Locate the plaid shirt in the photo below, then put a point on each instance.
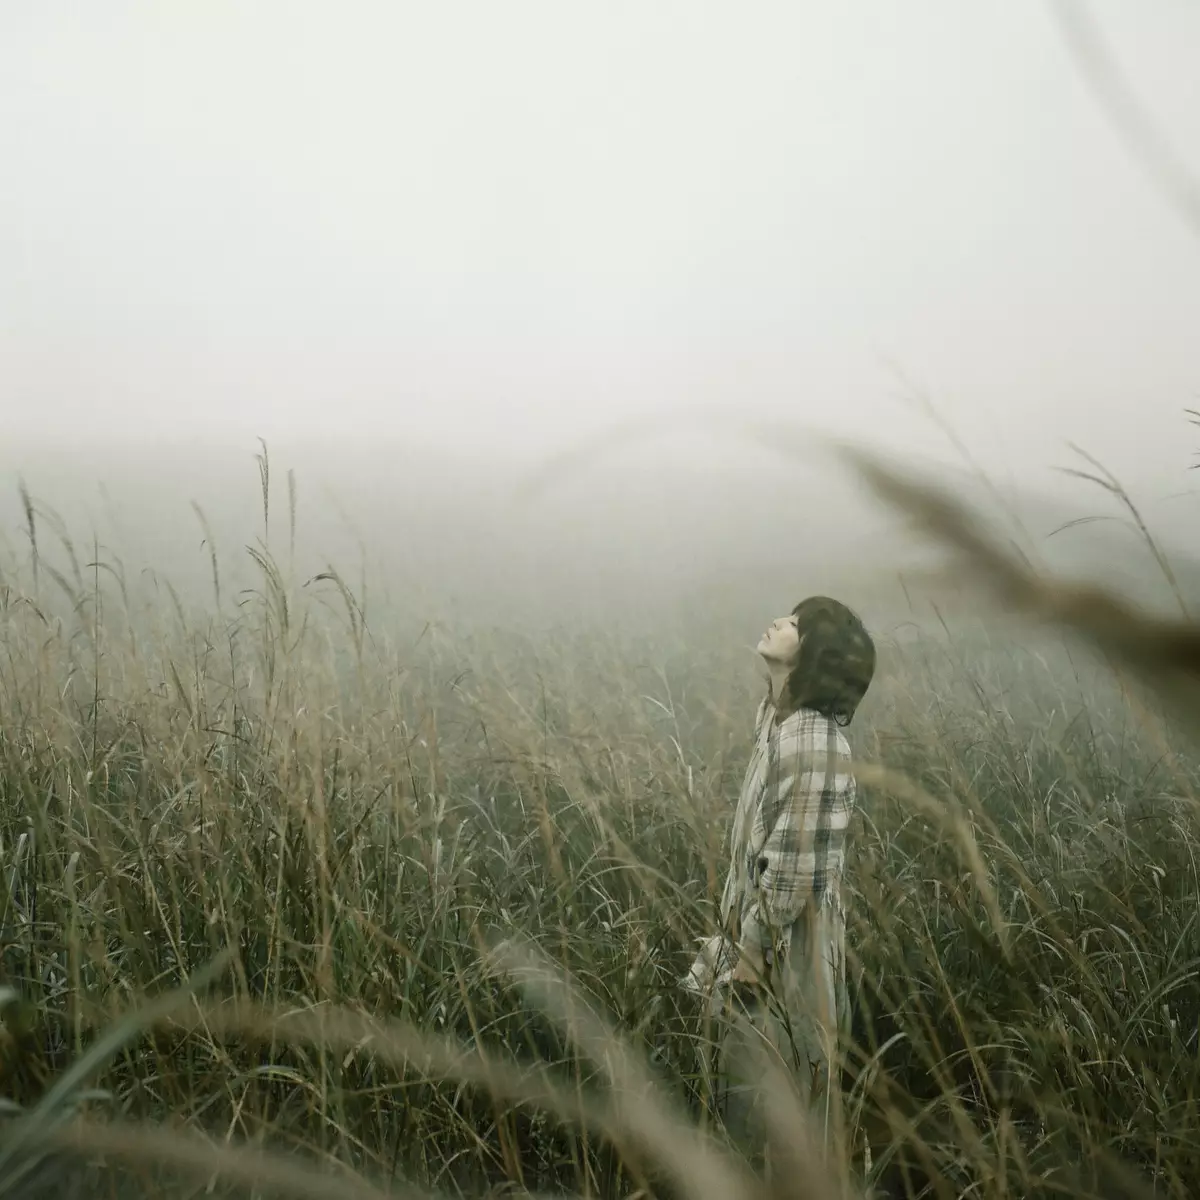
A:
(788, 843)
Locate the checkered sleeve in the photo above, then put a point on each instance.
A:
(798, 846)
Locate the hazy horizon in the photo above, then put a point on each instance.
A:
(420, 250)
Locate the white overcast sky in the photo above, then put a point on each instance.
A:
(505, 224)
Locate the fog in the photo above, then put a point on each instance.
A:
(419, 248)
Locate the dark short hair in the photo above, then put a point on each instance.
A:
(836, 662)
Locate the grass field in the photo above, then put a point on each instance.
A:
(346, 819)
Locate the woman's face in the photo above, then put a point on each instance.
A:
(781, 642)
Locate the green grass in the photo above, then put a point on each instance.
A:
(358, 814)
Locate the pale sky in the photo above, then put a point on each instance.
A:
(504, 225)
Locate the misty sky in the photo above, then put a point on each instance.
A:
(503, 225)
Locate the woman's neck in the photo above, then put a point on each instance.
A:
(779, 678)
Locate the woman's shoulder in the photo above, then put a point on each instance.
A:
(806, 726)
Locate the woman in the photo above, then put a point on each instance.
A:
(776, 973)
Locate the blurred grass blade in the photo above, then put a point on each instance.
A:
(437, 1057)
(55, 1106)
(1164, 652)
(142, 1145)
(690, 1157)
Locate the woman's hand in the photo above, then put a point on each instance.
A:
(747, 972)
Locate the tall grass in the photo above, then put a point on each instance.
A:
(402, 849)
